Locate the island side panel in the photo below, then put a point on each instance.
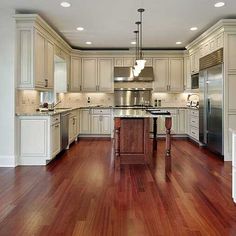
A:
(132, 141)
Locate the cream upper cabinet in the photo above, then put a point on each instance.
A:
(105, 75)
(124, 61)
(187, 74)
(129, 61)
(49, 63)
(76, 75)
(148, 61)
(194, 61)
(176, 76)
(168, 74)
(89, 74)
(35, 59)
(160, 68)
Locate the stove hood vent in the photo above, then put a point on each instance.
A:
(124, 74)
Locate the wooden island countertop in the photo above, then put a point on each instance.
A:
(134, 143)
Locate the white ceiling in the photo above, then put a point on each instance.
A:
(110, 23)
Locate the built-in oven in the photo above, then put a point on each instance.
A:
(195, 81)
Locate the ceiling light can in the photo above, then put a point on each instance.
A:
(65, 4)
(219, 4)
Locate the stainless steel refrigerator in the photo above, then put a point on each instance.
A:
(211, 101)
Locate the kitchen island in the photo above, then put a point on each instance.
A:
(133, 140)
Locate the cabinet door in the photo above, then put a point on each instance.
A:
(148, 61)
(192, 63)
(71, 129)
(75, 82)
(39, 56)
(160, 67)
(89, 74)
(128, 61)
(75, 127)
(106, 124)
(55, 140)
(96, 124)
(105, 75)
(187, 73)
(49, 64)
(85, 121)
(118, 62)
(182, 121)
(176, 75)
(78, 122)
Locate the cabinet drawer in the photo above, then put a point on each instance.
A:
(101, 111)
(194, 121)
(194, 132)
(195, 113)
(55, 119)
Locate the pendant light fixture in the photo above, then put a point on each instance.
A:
(139, 62)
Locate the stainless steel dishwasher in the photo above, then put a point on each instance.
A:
(64, 130)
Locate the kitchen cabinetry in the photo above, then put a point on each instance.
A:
(194, 61)
(76, 75)
(95, 121)
(89, 74)
(72, 126)
(193, 120)
(97, 74)
(187, 74)
(126, 61)
(101, 121)
(55, 136)
(168, 74)
(44, 129)
(105, 75)
(85, 121)
(35, 59)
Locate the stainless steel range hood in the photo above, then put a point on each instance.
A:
(124, 74)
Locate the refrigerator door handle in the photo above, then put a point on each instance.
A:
(209, 105)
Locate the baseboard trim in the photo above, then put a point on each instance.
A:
(7, 161)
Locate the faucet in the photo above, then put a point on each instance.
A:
(54, 105)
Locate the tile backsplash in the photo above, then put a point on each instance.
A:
(29, 100)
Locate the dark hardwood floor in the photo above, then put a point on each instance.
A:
(80, 193)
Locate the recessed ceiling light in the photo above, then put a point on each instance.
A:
(65, 4)
(133, 42)
(219, 4)
(80, 28)
(193, 28)
(178, 43)
(88, 43)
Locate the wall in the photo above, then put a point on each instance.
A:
(7, 85)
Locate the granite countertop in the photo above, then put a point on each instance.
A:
(135, 113)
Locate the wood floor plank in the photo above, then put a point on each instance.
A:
(80, 193)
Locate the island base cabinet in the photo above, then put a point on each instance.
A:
(133, 142)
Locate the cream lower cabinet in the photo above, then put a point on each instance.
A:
(193, 124)
(85, 122)
(95, 121)
(178, 122)
(73, 126)
(39, 139)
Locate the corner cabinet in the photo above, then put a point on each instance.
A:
(35, 59)
(168, 74)
(97, 75)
